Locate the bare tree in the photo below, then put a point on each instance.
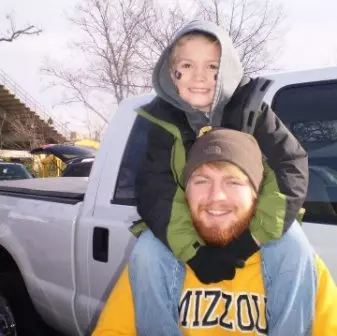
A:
(122, 39)
(13, 32)
(159, 28)
(113, 37)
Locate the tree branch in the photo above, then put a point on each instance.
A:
(13, 33)
(122, 39)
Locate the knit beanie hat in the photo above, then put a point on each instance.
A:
(238, 148)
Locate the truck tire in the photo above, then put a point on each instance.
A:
(18, 306)
(7, 322)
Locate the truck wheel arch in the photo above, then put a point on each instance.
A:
(20, 302)
(7, 263)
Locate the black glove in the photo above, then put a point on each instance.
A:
(212, 264)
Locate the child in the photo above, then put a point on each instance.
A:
(200, 84)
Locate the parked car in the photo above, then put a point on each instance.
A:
(79, 167)
(65, 152)
(13, 171)
(66, 239)
(78, 159)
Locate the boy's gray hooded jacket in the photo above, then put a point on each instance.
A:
(175, 126)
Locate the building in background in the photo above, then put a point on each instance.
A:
(24, 123)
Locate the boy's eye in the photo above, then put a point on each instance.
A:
(186, 65)
(214, 66)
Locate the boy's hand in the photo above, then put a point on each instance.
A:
(213, 264)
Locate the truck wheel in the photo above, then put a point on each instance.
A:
(7, 322)
(17, 309)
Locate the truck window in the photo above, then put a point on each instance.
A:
(310, 111)
(132, 158)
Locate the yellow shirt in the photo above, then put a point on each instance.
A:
(230, 308)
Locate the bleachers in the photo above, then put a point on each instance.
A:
(24, 123)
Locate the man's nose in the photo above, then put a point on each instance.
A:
(217, 192)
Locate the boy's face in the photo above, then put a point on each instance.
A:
(196, 62)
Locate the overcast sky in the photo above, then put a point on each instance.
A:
(310, 41)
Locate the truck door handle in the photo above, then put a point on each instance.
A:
(100, 244)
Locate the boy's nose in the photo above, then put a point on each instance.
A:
(199, 74)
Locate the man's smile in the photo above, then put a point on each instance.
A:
(218, 213)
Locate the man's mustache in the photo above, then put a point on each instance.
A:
(218, 235)
(219, 206)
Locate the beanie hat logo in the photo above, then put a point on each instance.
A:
(212, 150)
(235, 147)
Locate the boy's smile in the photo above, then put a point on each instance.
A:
(195, 67)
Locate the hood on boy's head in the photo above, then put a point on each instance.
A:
(229, 76)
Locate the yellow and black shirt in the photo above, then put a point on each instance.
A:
(236, 307)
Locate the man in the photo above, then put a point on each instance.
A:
(222, 177)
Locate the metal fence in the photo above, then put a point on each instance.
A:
(34, 105)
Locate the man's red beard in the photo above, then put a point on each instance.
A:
(222, 235)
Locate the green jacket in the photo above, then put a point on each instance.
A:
(159, 191)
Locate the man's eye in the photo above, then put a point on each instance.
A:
(186, 65)
(235, 182)
(200, 182)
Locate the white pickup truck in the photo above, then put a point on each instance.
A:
(64, 241)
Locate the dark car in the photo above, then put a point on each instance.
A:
(78, 159)
(13, 171)
(65, 153)
(79, 167)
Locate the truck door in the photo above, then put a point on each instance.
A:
(103, 241)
